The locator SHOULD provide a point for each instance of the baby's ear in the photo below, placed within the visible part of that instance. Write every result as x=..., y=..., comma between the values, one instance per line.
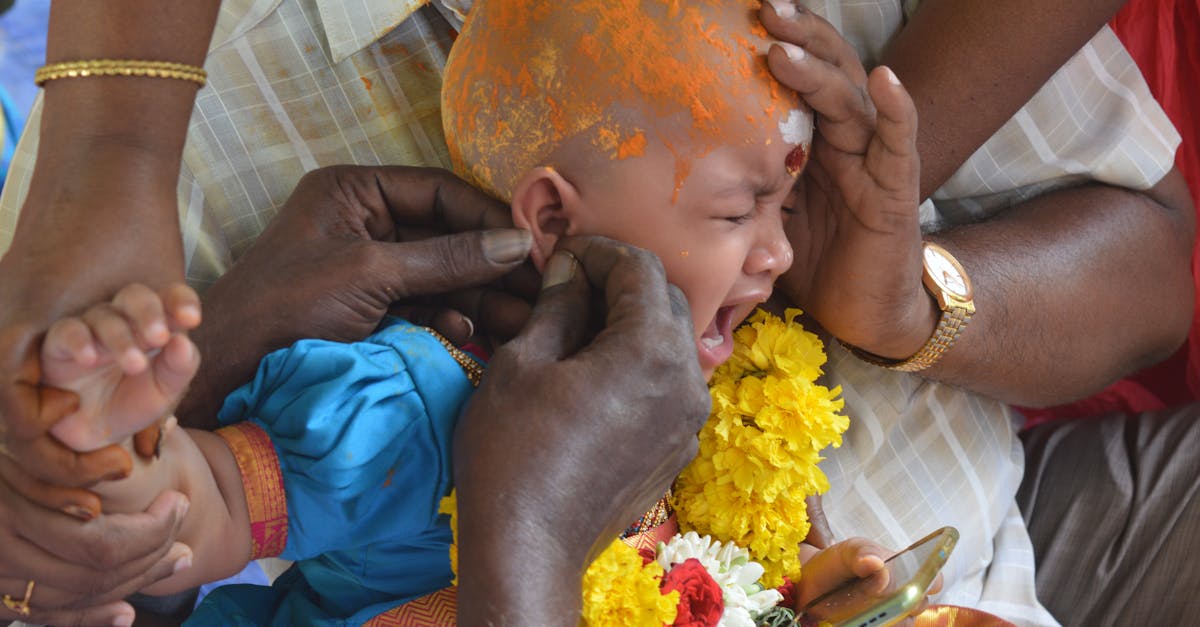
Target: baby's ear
x=543, y=203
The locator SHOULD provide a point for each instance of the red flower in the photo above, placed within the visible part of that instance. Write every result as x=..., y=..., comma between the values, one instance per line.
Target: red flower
x=700, y=603
x=789, y=594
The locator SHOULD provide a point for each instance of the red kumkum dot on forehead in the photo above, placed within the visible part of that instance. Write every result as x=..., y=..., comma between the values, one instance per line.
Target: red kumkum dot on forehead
x=795, y=160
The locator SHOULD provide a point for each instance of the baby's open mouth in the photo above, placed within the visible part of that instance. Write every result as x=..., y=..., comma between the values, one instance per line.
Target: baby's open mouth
x=716, y=343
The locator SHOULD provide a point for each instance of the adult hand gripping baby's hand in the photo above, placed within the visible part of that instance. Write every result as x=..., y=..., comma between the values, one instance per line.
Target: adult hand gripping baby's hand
x=857, y=237
x=580, y=425
x=349, y=243
x=56, y=265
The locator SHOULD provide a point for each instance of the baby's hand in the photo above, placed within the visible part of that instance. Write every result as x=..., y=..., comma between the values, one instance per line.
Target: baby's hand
x=129, y=361
x=856, y=558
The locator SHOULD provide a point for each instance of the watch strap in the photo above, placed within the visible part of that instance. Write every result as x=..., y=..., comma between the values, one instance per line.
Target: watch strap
x=950, y=326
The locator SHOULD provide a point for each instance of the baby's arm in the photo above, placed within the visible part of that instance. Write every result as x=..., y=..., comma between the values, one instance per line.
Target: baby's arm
x=130, y=361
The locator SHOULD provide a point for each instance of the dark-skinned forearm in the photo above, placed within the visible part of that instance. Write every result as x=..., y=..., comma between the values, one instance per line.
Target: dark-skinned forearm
x=971, y=64
x=1074, y=290
x=112, y=138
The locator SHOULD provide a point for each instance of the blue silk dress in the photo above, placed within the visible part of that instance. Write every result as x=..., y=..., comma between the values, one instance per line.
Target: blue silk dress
x=362, y=433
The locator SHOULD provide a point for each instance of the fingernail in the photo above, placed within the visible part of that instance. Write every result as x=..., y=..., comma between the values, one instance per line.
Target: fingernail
x=507, y=245
x=124, y=619
x=182, y=563
x=79, y=511
x=792, y=51
x=470, y=326
x=117, y=476
x=156, y=331
x=181, y=507
x=891, y=76
x=560, y=269
x=191, y=312
x=783, y=8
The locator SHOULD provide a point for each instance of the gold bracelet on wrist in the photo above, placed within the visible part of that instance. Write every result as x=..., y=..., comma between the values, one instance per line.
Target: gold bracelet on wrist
x=120, y=67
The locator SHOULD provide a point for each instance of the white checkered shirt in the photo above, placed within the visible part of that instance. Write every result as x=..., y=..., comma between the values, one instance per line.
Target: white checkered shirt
x=298, y=84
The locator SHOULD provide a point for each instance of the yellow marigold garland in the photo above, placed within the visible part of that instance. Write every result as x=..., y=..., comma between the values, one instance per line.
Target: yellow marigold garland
x=760, y=448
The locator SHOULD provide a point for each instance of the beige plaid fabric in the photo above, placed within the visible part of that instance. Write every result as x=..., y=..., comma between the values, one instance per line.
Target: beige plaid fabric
x=298, y=84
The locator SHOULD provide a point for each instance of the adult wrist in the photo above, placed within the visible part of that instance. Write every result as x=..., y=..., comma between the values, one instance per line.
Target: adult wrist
x=143, y=120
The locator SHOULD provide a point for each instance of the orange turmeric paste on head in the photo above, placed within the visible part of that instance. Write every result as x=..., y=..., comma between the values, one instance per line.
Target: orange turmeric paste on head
x=609, y=71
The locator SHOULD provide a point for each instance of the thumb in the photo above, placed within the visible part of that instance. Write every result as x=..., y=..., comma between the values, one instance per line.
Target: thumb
x=447, y=263
x=558, y=324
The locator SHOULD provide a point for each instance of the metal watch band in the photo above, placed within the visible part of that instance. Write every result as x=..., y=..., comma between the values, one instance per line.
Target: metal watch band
x=952, y=323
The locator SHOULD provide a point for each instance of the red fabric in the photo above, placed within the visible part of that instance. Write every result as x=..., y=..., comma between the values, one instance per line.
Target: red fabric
x=1162, y=36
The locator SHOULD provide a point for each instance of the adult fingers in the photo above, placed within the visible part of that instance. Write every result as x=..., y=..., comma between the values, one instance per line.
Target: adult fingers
x=147, y=441
x=444, y=264
x=46, y=459
x=892, y=158
x=559, y=322
x=429, y=196
x=116, y=613
x=790, y=22
x=494, y=313
x=846, y=114
x=632, y=280
x=94, y=562
x=26, y=409
x=85, y=588
x=75, y=502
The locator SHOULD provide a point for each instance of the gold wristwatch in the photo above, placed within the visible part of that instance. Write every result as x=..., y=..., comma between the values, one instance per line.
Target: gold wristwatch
x=946, y=280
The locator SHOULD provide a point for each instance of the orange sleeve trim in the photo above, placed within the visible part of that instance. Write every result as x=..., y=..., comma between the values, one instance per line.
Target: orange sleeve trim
x=262, y=481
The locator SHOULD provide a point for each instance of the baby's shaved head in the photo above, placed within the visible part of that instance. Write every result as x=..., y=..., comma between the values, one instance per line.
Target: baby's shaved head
x=574, y=84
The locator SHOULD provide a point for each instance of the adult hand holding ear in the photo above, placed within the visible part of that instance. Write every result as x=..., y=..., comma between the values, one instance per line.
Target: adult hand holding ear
x=580, y=425
x=857, y=236
x=348, y=244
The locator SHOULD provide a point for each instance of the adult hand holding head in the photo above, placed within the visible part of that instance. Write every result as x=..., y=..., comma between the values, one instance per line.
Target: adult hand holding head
x=581, y=423
x=349, y=243
x=858, y=242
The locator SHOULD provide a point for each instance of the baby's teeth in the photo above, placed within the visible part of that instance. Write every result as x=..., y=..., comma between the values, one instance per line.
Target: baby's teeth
x=713, y=342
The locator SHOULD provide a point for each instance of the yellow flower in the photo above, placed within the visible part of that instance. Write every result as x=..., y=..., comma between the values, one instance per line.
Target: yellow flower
x=449, y=505
x=760, y=448
x=619, y=591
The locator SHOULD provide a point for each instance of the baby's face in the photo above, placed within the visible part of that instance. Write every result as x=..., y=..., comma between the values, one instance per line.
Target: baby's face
x=718, y=230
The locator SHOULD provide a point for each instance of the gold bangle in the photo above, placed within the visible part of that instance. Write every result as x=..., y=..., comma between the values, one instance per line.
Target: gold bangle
x=120, y=67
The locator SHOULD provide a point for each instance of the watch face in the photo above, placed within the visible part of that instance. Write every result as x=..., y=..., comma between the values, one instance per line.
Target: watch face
x=945, y=273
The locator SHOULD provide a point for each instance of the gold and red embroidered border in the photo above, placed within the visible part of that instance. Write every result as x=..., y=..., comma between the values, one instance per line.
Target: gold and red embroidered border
x=262, y=481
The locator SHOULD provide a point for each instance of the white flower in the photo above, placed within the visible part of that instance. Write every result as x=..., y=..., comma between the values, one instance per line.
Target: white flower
x=730, y=566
